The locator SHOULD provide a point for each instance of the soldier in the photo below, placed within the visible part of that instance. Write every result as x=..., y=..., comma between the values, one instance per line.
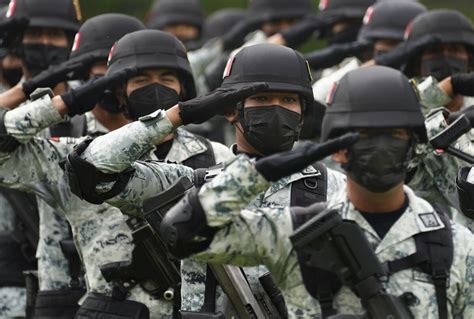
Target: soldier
x=266, y=120
x=100, y=232
x=182, y=18
x=380, y=104
x=46, y=40
x=383, y=28
x=439, y=44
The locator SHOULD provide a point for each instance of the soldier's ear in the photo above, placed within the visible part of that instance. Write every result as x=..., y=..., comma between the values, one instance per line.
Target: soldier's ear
x=340, y=157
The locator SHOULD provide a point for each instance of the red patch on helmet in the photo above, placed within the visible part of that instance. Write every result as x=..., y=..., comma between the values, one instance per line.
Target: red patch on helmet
x=368, y=15
x=332, y=92
x=77, y=42
x=228, y=67
x=11, y=8
x=111, y=53
x=323, y=4
x=408, y=30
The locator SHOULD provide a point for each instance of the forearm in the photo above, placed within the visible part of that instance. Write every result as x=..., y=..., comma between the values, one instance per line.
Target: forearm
x=148, y=179
x=117, y=150
x=27, y=121
x=231, y=191
x=432, y=94
x=13, y=97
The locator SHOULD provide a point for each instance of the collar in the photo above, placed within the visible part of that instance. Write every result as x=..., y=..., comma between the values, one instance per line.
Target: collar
x=419, y=217
x=185, y=145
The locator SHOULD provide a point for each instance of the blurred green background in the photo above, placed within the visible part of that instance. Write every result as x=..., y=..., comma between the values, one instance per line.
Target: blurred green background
x=139, y=8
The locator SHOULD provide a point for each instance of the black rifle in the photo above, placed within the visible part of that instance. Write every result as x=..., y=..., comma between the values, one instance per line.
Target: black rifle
x=230, y=278
x=152, y=266
x=339, y=246
x=444, y=139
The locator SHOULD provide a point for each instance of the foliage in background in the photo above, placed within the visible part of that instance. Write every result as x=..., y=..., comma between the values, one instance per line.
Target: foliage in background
x=139, y=8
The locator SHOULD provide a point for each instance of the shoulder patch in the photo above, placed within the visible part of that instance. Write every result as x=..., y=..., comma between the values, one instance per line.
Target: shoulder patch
x=430, y=220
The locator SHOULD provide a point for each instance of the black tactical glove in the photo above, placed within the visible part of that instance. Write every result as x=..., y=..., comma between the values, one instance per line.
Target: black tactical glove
x=405, y=51
x=58, y=73
x=236, y=36
x=12, y=28
x=463, y=84
x=335, y=54
x=277, y=166
x=468, y=111
x=217, y=102
x=298, y=33
x=85, y=97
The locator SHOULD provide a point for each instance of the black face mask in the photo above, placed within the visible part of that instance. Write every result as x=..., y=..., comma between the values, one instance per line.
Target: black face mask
x=12, y=76
x=271, y=129
x=38, y=57
x=441, y=67
x=150, y=98
x=346, y=36
x=379, y=163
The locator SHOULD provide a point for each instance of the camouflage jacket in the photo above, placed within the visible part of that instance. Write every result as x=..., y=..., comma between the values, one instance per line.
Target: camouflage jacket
x=118, y=150
x=99, y=231
x=261, y=236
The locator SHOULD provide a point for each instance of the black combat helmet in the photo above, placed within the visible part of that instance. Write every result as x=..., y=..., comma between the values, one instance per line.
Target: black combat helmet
x=62, y=14
x=282, y=68
x=447, y=26
x=389, y=19
x=344, y=9
x=153, y=49
x=222, y=21
x=373, y=97
x=167, y=12
x=98, y=34
x=267, y=10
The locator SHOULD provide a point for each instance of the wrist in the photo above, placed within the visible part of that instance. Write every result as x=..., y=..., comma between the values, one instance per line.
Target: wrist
x=447, y=87
x=59, y=105
x=174, y=117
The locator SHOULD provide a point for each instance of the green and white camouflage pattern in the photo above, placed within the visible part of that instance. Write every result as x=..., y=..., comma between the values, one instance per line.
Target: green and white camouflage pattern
x=261, y=236
x=12, y=299
x=152, y=177
x=12, y=302
x=99, y=231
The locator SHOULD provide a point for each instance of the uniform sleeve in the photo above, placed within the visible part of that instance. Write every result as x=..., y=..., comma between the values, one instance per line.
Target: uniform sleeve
x=149, y=179
x=34, y=167
x=25, y=122
x=431, y=95
x=117, y=150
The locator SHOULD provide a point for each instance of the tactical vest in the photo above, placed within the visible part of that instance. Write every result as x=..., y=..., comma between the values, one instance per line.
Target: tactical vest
x=434, y=256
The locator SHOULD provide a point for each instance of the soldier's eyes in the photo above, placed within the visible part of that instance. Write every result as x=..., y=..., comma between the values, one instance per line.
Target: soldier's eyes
x=289, y=100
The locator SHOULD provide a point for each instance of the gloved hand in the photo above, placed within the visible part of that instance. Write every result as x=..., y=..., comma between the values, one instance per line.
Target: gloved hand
x=301, y=31
x=463, y=84
x=468, y=111
x=217, y=102
x=277, y=166
x=57, y=73
x=405, y=51
x=335, y=54
x=85, y=97
x=11, y=28
x=236, y=36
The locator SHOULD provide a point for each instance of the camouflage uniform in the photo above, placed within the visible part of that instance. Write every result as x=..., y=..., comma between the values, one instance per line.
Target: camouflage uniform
x=116, y=151
x=261, y=236
x=99, y=231
x=53, y=267
x=435, y=174
x=12, y=299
